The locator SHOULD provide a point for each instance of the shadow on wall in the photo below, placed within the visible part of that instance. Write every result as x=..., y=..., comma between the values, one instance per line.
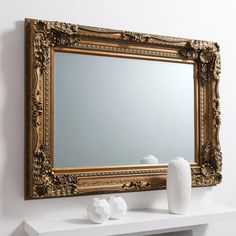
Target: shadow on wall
x=12, y=177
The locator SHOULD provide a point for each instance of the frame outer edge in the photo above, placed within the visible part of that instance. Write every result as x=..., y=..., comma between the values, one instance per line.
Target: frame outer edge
x=62, y=184
x=28, y=107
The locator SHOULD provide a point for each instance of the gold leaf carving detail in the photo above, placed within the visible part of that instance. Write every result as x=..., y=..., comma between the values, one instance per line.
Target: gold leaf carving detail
x=217, y=112
x=46, y=183
x=137, y=37
x=211, y=167
x=137, y=185
x=37, y=110
x=207, y=55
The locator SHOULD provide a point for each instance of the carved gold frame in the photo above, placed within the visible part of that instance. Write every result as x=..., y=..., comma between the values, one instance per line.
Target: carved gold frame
x=42, y=38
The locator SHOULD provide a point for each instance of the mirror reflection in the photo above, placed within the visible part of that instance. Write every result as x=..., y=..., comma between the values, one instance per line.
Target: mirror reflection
x=112, y=111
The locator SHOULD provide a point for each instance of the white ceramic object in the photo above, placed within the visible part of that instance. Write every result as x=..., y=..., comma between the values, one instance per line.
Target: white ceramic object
x=179, y=184
x=98, y=210
x=150, y=159
x=118, y=207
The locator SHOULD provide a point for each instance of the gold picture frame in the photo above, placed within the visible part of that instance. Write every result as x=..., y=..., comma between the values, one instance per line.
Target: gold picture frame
x=42, y=38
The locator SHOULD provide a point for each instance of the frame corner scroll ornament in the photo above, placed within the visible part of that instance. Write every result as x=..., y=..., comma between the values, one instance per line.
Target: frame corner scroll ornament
x=42, y=38
x=46, y=183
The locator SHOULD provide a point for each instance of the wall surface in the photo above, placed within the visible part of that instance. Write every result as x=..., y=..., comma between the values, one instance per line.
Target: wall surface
x=209, y=20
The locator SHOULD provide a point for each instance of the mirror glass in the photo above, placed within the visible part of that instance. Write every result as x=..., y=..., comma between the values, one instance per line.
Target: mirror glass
x=111, y=111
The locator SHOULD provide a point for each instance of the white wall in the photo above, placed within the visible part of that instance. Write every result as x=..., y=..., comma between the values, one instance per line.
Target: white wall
x=209, y=20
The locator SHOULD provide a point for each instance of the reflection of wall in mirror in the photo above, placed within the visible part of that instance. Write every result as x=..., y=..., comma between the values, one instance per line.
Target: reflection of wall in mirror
x=113, y=111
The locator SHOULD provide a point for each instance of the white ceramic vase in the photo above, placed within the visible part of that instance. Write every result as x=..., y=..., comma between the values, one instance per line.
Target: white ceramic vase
x=179, y=184
x=149, y=160
x=118, y=207
x=98, y=210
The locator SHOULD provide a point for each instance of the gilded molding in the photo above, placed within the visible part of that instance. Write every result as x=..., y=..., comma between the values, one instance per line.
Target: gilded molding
x=46, y=183
x=208, y=58
x=137, y=185
x=135, y=36
x=217, y=112
x=37, y=110
x=211, y=167
x=207, y=55
x=42, y=180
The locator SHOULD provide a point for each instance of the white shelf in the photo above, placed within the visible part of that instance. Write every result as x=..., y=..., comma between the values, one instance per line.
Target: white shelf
x=136, y=222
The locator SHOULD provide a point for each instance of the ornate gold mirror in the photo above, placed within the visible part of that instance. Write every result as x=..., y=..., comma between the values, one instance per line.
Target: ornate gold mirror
x=106, y=110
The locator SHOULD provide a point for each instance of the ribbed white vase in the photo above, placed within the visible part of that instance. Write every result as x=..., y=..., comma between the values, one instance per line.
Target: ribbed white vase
x=179, y=184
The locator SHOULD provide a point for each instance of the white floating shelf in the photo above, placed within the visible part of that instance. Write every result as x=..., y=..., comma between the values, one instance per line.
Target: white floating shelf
x=136, y=222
